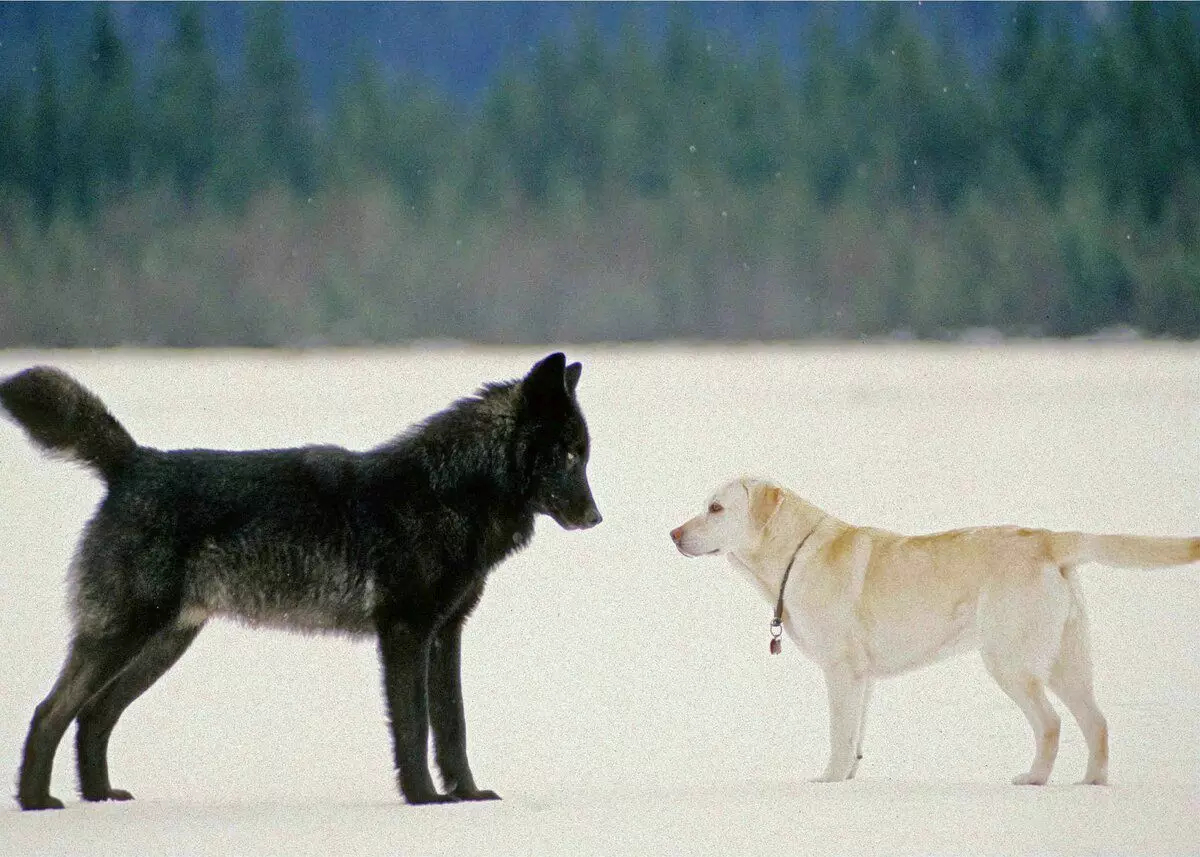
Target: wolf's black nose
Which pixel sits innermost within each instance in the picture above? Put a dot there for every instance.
(592, 517)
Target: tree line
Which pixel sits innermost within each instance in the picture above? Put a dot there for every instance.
(611, 189)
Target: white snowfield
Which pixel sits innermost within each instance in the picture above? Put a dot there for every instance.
(620, 697)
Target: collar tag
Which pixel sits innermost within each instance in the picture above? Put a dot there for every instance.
(777, 622)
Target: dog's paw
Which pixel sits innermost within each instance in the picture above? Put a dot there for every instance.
(1030, 779)
(829, 778)
(854, 767)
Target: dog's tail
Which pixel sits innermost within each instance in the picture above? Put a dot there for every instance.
(1124, 551)
(65, 419)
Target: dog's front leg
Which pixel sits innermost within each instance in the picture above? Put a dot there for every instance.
(847, 696)
(404, 653)
(447, 717)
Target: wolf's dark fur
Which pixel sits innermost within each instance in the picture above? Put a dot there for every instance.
(395, 542)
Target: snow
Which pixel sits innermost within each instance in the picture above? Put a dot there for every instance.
(619, 696)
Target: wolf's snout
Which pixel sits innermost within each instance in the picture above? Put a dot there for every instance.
(592, 517)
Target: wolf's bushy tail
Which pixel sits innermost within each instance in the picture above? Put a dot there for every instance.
(64, 418)
(1125, 551)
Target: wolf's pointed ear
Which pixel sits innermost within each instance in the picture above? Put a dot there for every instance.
(547, 378)
(764, 500)
(572, 376)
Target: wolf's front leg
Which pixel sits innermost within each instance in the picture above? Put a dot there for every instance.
(447, 718)
(405, 657)
(847, 696)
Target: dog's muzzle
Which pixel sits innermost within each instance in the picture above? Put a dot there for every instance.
(677, 537)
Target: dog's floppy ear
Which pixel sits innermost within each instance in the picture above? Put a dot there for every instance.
(764, 500)
(547, 380)
(572, 376)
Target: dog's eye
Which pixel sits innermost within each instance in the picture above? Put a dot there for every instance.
(714, 507)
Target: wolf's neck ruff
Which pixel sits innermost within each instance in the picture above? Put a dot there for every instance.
(777, 622)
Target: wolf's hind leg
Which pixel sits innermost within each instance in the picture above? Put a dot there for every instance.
(91, 663)
(404, 653)
(100, 713)
(447, 718)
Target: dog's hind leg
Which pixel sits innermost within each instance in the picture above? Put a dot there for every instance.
(447, 718)
(1071, 681)
(862, 727)
(91, 663)
(1021, 619)
(1027, 692)
(99, 714)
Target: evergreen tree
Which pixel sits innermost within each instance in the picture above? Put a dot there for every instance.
(640, 156)
(1143, 96)
(185, 105)
(832, 144)
(759, 126)
(14, 140)
(1039, 104)
(692, 82)
(929, 133)
(46, 178)
(276, 108)
(587, 109)
(103, 143)
(404, 137)
(362, 122)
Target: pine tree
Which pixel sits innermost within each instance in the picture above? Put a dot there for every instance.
(103, 142)
(185, 105)
(46, 167)
(1039, 102)
(405, 136)
(1143, 98)
(831, 145)
(276, 108)
(14, 140)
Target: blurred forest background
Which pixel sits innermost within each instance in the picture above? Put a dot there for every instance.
(870, 173)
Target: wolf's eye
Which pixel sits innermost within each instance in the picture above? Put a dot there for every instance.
(714, 508)
(572, 458)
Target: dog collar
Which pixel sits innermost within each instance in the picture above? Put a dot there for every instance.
(777, 622)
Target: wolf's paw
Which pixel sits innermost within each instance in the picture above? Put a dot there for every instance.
(109, 794)
(40, 802)
(476, 794)
(431, 797)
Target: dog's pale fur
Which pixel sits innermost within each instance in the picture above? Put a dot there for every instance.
(865, 603)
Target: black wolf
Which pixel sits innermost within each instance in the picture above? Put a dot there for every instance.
(395, 542)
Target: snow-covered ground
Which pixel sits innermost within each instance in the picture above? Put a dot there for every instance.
(621, 697)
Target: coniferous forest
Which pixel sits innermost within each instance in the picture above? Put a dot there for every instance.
(610, 189)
